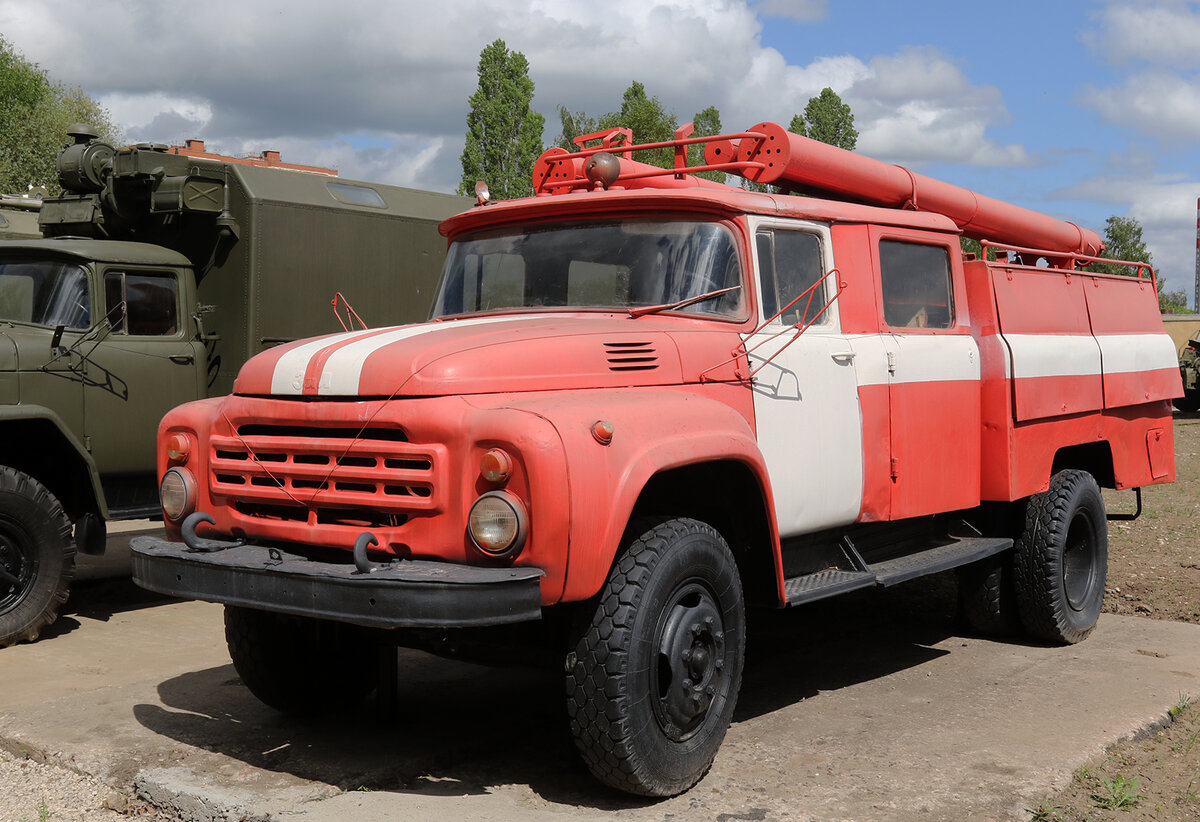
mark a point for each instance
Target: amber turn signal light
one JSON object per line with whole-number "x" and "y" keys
{"x": 179, "y": 448}
{"x": 496, "y": 466}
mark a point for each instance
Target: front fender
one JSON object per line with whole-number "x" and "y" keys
{"x": 654, "y": 431}
{"x": 10, "y": 414}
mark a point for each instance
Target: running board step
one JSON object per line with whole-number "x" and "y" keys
{"x": 834, "y": 581}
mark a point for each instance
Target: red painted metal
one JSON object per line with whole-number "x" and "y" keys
{"x": 816, "y": 167}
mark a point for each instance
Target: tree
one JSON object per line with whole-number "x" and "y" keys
{"x": 708, "y": 124}
{"x": 1123, "y": 241}
{"x": 504, "y": 133}
{"x": 650, "y": 122}
{"x": 574, "y": 124}
{"x": 829, "y": 120}
{"x": 34, "y": 116}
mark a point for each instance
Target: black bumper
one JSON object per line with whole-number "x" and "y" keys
{"x": 411, "y": 593}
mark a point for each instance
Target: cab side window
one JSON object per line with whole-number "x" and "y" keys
{"x": 790, "y": 263}
{"x": 142, "y": 303}
{"x": 916, "y": 285}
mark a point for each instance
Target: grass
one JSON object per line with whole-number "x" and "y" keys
{"x": 1176, "y": 710}
{"x": 1117, "y": 793}
{"x": 1044, "y": 812}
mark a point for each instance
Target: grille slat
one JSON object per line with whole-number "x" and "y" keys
{"x": 339, "y": 476}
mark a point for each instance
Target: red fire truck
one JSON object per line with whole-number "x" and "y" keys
{"x": 645, "y": 401}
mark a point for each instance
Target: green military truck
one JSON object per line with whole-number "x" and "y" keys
{"x": 154, "y": 277}
{"x": 19, "y": 218}
{"x": 1189, "y": 370}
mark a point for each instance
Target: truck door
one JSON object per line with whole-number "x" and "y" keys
{"x": 149, "y": 363}
{"x": 805, "y": 391}
{"x": 933, "y": 373}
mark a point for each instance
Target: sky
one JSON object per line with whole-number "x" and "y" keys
{"x": 1082, "y": 110}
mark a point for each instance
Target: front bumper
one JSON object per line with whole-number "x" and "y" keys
{"x": 409, "y": 593}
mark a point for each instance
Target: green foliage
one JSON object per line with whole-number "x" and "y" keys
{"x": 504, "y": 133}
{"x": 34, "y": 116}
{"x": 1123, "y": 241}
{"x": 1117, "y": 792}
{"x": 827, "y": 119}
{"x": 650, "y": 122}
{"x": 574, "y": 124}
{"x": 1177, "y": 710}
{"x": 708, "y": 124}
{"x": 1044, "y": 812}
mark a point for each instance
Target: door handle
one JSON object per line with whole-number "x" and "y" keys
{"x": 842, "y": 356}
{"x": 182, "y": 359}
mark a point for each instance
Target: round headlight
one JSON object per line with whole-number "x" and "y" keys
{"x": 497, "y": 524}
{"x": 177, "y": 493}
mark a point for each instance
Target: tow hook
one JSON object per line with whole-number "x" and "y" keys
{"x": 361, "y": 563}
{"x": 200, "y": 544}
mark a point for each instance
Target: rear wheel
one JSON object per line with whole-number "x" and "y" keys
{"x": 987, "y": 598}
{"x": 37, "y": 557}
{"x": 652, "y": 683}
{"x": 299, "y": 665}
{"x": 1062, "y": 559}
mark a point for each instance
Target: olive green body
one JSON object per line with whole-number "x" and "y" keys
{"x": 191, "y": 267}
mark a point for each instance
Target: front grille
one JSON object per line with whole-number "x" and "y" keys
{"x": 370, "y": 477}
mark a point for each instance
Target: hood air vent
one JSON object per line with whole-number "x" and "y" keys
{"x": 631, "y": 356}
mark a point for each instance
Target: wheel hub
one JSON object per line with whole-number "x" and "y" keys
{"x": 690, "y": 642}
{"x": 15, "y": 572}
{"x": 1079, "y": 562}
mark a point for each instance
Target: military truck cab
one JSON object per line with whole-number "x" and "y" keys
{"x": 159, "y": 274}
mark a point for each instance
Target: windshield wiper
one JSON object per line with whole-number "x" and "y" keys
{"x": 699, "y": 298}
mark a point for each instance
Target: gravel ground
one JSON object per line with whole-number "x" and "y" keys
{"x": 37, "y": 792}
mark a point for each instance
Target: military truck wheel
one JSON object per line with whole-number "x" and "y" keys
{"x": 298, "y": 665}
{"x": 987, "y": 598}
{"x": 1062, "y": 559}
{"x": 37, "y": 557}
{"x": 652, "y": 682}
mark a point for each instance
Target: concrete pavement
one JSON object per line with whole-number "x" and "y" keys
{"x": 865, "y": 709}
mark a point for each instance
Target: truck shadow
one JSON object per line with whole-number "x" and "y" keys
{"x": 100, "y": 600}
{"x": 458, "y": 728}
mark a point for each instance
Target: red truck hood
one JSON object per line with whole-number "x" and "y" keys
{"x": 494, "y": 354}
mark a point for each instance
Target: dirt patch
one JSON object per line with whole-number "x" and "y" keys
{"x": 1153, "y": 571}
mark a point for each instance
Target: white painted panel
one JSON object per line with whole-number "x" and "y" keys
{"x": 1053, "y": 355}
{"x": 810, "y": 432}
{"x": 1131, "y": 353}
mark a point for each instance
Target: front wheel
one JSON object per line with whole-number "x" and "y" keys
{"x": 1061, "y": 559}
{"x": 300, "y": 665}
{"x": 653, "y": 681}
{"x": 37, "y": 557}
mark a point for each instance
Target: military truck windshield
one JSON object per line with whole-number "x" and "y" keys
{"x": 601, "y": 266}
{"x": 44, "y": 293}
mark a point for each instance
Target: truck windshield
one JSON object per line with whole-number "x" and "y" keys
{"x": 600, "y": 266}
{"x": 44, "y": 293}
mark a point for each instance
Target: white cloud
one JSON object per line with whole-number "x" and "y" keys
{"x": 803, "y": 11}
{"x": 311, "y": 72}
{"x": 1164, "y": 33}
{"x": 1156, "y": 103}
{"x": 917, "y": 107}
